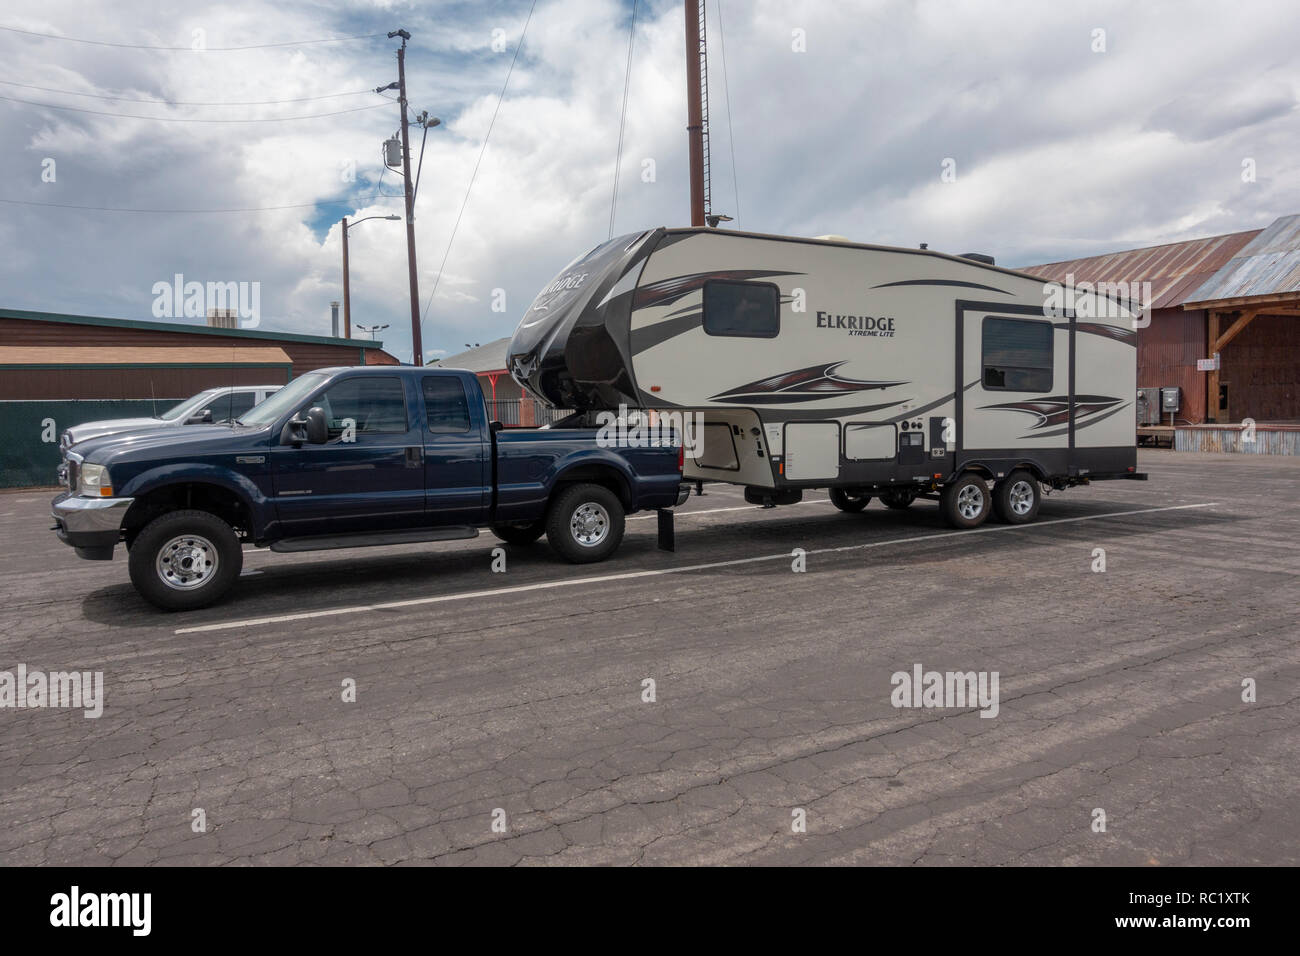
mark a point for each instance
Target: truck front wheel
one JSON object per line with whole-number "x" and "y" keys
{"x": 585, "y": 523}
{"x": 185, "y": 560}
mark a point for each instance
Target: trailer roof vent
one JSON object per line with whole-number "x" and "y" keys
{"x": 833, "y": 238}
{"x": 979, "y": 257}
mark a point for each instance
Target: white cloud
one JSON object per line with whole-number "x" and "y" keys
{"x": 1060, "y": 151}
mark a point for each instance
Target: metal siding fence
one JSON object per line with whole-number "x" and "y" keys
{"x": 27, "y": 459}
{"x": 508, "y": 412}
{"x": 1268, "y": 441}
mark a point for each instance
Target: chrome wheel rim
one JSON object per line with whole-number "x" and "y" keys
{"x": 970, "y": 502}
{"x": 1021, "y": 497}
{"x": 589, "y": 524}
{"x": 186, "y": 562}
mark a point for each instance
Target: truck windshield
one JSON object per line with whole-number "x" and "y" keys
{"x": 286, "y": 399}
{"x": 189, "y": 407}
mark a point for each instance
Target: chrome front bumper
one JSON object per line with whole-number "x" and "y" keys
{"x": 91, "y": 525}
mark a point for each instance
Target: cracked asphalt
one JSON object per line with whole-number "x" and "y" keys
{"x": 1119, "y": 691}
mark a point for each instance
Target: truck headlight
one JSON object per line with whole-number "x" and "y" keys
{"x": 93, "y": 481}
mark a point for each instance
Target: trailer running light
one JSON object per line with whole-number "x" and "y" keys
{"x": 654, "y": 388}
{"x": 780, "y": 469}
{"x": 1131, "y": 468}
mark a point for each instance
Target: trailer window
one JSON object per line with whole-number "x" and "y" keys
{"x": 1017, "y": 355}
{"x": 750, "y": 309}
{"x": 445, "y": 404}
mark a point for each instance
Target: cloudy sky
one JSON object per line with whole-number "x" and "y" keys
{"x": 1072, "y": 128}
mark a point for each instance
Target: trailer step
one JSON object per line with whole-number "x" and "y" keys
{"x": 371, "y": 539}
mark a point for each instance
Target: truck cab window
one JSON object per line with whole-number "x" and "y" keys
{"x": 750, "y": 309}
{"x": 445, "y": 404}
{"x": 1017, "y": 355}
{"x": 376, "y": 404}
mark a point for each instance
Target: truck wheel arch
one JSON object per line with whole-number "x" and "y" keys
{"x": 605, "y": 475}
{"x": 213, "y": 497}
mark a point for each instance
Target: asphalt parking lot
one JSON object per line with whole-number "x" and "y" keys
{"x": 517, "y": 698}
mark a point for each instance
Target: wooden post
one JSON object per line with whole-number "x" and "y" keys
{"x": 1212, "y": 379}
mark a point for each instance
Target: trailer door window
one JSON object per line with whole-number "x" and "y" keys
{"x": 750, "y": 309}
{"x": 1017, "y": 355}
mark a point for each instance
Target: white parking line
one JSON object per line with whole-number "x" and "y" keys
{"x": 629, "y": 575}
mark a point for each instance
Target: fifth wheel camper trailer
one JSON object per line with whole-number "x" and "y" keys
{"x": 869, "y": 370}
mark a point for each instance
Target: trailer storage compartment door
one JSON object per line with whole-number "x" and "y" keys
{"x": 869, "y": 441}
{"x": 812, "y": 450}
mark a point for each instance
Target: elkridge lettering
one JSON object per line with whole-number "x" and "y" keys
{"x": 881, "y": 326}
{"x": 103, "y": 909}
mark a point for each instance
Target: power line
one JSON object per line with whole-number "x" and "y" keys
{"x": 186, "y": 119}
{"x": 62, "y": 205}
{"x": 190, "y": 49}
{"x": 474, "y": 174}
{"x": 622, "y": 119}
{"x": 157, "y": 102}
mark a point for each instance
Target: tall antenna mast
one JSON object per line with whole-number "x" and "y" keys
{"x": 697, "y": 110}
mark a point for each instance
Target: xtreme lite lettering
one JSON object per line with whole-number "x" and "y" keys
{"x": 880, "y": 326}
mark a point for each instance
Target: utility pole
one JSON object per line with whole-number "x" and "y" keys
{"x": 417, "y": 347}
{"x": 694, "y": 110}
{"x": 347, "y": 297}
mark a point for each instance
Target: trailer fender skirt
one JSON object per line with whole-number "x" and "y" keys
{"x": 667, "y": 539}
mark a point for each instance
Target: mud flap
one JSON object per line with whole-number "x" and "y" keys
{"x": 667, "y": 539}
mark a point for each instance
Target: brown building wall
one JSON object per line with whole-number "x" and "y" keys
{"x": 1167, "y": 352}
{"x": 159, "y": 382}
{"x": 1261, "y": 370}
{"x": 135, "y": 383}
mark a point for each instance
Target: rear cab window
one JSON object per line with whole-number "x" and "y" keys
{"x": 445, "y": 404}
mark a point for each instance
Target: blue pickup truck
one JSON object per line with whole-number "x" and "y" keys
{"x": 344, "y": 458}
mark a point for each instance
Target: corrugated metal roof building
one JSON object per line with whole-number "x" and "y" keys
{"x": 1243, "y": 283}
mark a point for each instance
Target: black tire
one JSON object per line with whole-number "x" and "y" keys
{"x": 898, "y": 499}
{"x": 519, "y": 534}
{"x": 966, "y": 502}
{"x": 168, "y": 557}
{"x": 1016, "y": 498}
{"x": 585, "y": 511}
{"x": 846, "y": 502}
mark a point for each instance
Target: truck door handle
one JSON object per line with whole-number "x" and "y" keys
{"x": 414, "y": 456}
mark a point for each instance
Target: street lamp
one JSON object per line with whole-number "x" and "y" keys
{"x": 372, "y": 329}
{"x": 347, "y": 294}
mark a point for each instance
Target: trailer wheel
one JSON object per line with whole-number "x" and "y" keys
{"x": 585, "y": 523}
{"x": 520, "y": 534}
{"x": 1016, "y": 498}
{"x": 184, "y": 560}
{"x": 846, "y": 502}
{"x": 966, "y": 503}
{"x": 898, "y": 499}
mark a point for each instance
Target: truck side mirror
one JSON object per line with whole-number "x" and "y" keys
{"x": 316, "y": 427}
{"x": 311, "y": 428}
{"x": 202, "y": 418}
